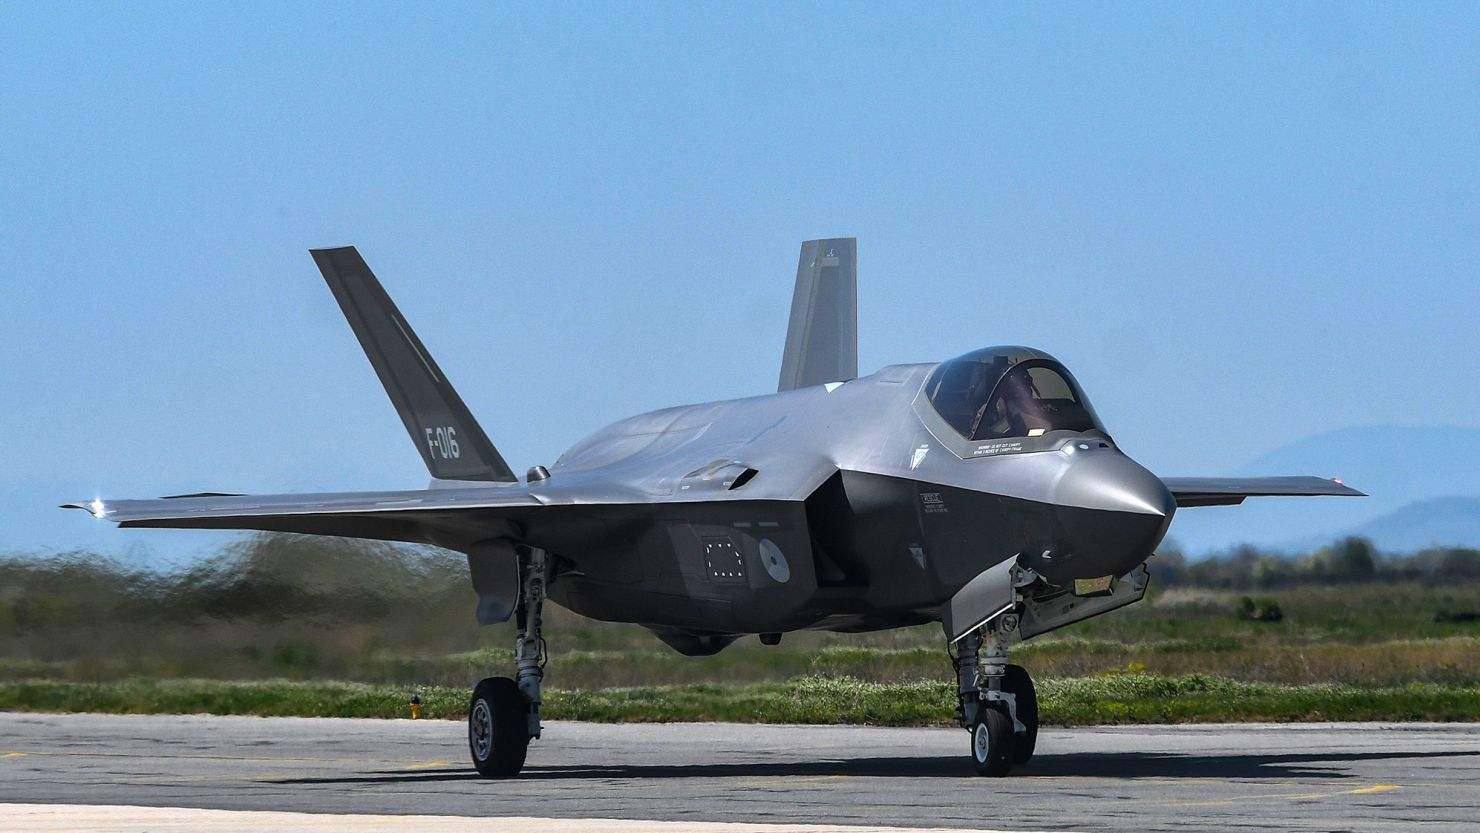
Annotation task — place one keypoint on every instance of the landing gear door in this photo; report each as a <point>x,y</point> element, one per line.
<point>495,570</point>
<point>1043,614</point>
<point>984,597</point>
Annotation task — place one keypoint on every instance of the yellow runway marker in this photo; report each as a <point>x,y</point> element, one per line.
<point>1311,796</point>
<point>12,754</point>
<point>430,765</point>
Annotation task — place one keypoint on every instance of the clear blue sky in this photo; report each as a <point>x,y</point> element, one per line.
<point>1238,225</point>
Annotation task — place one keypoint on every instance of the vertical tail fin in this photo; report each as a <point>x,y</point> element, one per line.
<point>450,441</point>
<point>822,337</point>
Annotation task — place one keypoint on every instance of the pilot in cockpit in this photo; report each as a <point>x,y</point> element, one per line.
<point>997,393</point>
<point>1006,415</point>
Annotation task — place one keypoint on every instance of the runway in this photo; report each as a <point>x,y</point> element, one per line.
<point>1363,777</point>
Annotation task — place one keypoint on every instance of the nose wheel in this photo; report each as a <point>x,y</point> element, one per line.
<point>992,743</point>
<point>999,703</point>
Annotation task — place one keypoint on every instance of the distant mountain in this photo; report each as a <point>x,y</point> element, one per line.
<point>1443,520</point>
<point>1401,467</point>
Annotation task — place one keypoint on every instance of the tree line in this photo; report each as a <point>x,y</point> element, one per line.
<point>1346,561</point>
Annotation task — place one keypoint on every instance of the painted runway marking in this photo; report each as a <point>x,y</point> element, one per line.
<point>789,779</point>
<point>175,756</point>
<point>430,765</point>
<point>103,818</point>
<point>1308,796</point>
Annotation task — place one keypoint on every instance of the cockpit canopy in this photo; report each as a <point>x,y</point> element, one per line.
<point>1006,392</point>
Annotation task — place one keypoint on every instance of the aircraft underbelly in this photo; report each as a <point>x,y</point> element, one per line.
<point>855,556</point>
<point>734,566</point>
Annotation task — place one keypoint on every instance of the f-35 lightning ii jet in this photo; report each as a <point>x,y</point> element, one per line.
<point>982,492</point>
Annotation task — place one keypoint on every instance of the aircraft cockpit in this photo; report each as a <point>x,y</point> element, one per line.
<point>1003,393</point>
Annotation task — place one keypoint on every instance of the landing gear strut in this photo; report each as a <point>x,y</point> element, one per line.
<point>998,703</point>
<point>505,714</point>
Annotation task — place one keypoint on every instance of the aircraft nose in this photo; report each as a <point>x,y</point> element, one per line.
<point>1111,514</point>
<point>1105,479</point>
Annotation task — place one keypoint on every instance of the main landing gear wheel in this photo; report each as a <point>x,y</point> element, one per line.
<point>1017,682</point>
<point>991,743</point>
<point>505,714</point>
<point>498,728</point>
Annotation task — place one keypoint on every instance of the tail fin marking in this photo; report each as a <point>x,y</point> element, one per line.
<point>450,441</point>
<point>822,335</point>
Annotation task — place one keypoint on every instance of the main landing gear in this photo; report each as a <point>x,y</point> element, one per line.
<point>998,703</point>
<point>505,714</point>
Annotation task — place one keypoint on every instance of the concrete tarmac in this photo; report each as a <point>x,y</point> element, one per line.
<point>1353,776</point>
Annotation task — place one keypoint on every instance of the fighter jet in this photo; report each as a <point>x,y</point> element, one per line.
<point>981,492</point>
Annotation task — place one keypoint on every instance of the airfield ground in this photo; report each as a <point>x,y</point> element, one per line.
<point>1105,699</point>
<point>67,772</point>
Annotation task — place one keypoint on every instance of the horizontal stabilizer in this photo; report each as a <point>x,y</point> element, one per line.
<point>822,335</point>
<point>1229,491</point>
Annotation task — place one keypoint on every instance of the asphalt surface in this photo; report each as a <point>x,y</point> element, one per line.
<point>1280,777</point>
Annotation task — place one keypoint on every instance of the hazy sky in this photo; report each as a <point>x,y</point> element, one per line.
<point>1238,226</point>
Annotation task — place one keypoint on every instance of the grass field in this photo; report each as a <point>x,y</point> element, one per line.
<point>265,630</point>
<point>1365,636</point>
<point>1135,697</point>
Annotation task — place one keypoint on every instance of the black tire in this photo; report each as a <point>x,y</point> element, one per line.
<point>498,728</point>
<point>991,743</point>
<point>1018,682</point>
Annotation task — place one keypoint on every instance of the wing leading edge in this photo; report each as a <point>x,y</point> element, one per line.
<point>417,516</point>
<point>1230,491</point>
<point>449,516</point>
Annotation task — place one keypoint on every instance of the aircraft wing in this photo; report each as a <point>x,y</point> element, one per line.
<point>1230,491</point>
<point>447,516</point>
<point>391,516</point>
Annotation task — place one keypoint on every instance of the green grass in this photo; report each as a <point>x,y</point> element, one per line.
<point>298,626</point>
<point>272,698</point>
<point>1106,699</point>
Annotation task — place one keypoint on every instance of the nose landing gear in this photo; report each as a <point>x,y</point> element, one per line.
<point>504,714</point>
<point>992,743</point>
<point>1018,683</point>
<point>998,702</point>
<point>1003,601</point>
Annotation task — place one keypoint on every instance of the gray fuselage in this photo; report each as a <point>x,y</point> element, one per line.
<point>837,507</point>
